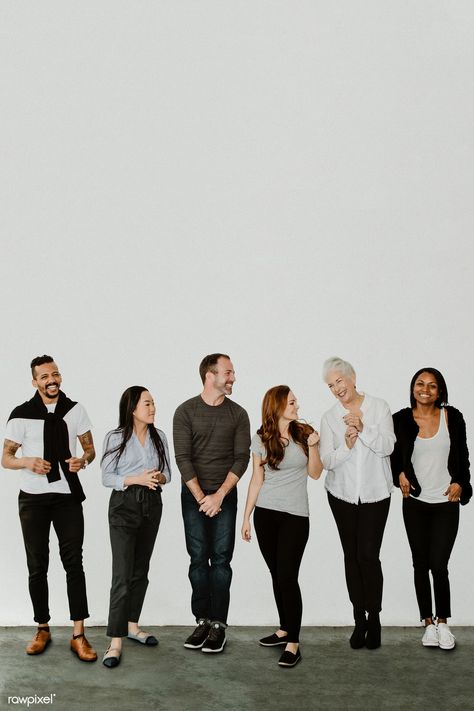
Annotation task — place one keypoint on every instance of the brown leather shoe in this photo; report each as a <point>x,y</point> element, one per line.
<point>83,649</point>
<point>39,642</point>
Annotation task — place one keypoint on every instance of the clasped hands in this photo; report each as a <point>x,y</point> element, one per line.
<point>211,504</point>
<point>354,426</point>
<point>151,478</point>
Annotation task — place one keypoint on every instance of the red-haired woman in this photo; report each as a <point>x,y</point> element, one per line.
<point>285,452</point>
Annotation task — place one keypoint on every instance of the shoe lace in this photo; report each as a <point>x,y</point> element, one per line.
<point>200,626</point>
<point>214,632</point>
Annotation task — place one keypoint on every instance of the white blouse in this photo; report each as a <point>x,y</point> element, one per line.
<point>363,472</point>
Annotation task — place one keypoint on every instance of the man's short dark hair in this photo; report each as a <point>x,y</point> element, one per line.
<point>40,360</point>
<point>209,363</point>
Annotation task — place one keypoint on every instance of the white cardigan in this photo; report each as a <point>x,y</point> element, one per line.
<point>363,472</point>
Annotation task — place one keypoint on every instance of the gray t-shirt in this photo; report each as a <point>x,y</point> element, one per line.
<point>284,489</point>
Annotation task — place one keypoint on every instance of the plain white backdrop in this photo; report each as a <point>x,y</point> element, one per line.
<point>283,181</point>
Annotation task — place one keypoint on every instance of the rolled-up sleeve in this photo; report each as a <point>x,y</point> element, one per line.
<point>380,436</point>
<point>241,445</point>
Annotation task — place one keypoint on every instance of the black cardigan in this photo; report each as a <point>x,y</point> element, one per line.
<point>406,432</point>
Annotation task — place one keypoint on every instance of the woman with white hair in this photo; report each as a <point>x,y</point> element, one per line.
<point>357,439</point>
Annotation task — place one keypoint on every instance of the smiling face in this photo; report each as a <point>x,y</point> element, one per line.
<point>426,389</point>
<point>47,380</point>
<point>222,378</point>
<point>342,386</point>
<point>144,413</point>
<point>290,412</point>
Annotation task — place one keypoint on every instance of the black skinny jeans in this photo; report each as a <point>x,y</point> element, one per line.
<point>37,513</point>
<point>134,519</point>
<point>361,528</point>
<point>282,538</point>
<point>431,531</point>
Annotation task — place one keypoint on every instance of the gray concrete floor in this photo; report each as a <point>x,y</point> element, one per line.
<point>400,675</point>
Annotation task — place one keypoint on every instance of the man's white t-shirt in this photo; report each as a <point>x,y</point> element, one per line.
<point>29,434</point>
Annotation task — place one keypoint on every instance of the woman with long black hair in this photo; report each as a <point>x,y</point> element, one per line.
<point>285,452</point>
<point>430,464</point>
<point>135,464</point>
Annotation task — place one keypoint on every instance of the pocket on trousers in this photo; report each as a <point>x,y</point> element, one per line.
<point>124,509</point>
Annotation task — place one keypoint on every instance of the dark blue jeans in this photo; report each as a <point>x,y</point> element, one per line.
<point>210,544</point>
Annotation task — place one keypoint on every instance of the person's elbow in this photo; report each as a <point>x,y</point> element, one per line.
<point>107,480</point>
<point>315,472</point>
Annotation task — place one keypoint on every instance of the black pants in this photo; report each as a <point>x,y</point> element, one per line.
<point>134,519</point>
<point>431,531</point>
<point>282,538</point>
<point>361,528</point>
<point>37,513</point>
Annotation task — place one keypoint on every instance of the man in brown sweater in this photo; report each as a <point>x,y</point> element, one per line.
<point>211,441</point>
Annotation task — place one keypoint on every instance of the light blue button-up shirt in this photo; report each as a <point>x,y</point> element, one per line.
<point>135,459</point>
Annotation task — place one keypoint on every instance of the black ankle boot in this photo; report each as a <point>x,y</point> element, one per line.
<point>374,631</point>
<point>357,639</point>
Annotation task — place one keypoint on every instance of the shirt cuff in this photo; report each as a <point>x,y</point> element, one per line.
<point>120,484</point>
<point>367,434</point>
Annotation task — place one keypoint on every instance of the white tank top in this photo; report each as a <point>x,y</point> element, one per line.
<point>430,462</point>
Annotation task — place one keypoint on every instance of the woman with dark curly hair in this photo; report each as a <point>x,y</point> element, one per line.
<point>135,464</point>
<point>430,464</point>
<point>285,452</point>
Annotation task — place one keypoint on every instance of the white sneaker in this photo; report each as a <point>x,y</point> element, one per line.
<point>430,638</point>
<point>446,638</point>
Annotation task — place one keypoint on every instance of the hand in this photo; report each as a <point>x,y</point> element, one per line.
<point>76,463</point>
<point>37,465</point>
<point>313,439</point>
<point>160,477</point>
<point>246,531</point>
<point>351,436</point>
<point>405,485</point>
<point>211,504</point>
<point>148,478</point>
<point>353,420</point>
<point>453,492</point>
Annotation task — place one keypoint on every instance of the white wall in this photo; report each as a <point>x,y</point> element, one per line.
<point>283,181</point>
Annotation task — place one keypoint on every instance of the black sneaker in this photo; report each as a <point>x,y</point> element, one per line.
<point>216,640</point>
<point>199,636</point>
